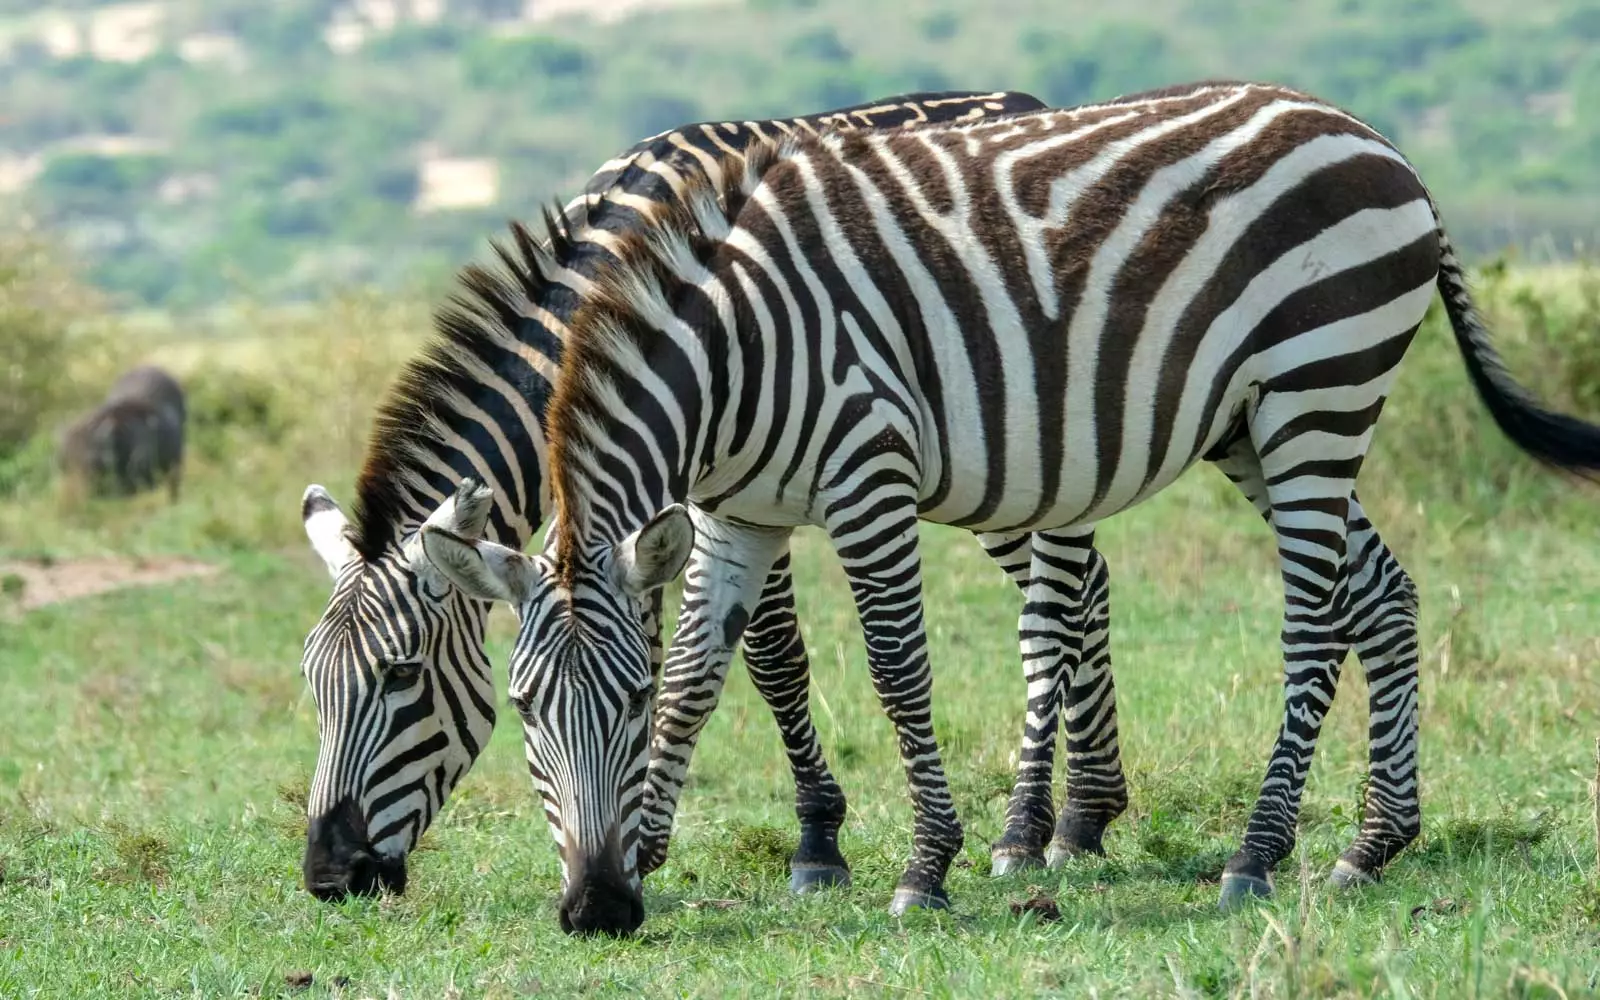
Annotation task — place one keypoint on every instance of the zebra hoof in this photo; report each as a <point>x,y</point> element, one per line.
<point>1062,851</point>
<point>1239,888</point>
<point>1009,861</point>
<point>915,899</point>
<point>1347,876</point>
<point>815,878</point>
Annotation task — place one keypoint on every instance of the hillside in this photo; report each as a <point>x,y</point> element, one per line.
<point>195,150</point>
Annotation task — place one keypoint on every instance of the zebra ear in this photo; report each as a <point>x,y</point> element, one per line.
<point>480,569</point>
<point>325,526</point>
<point>653,556</point>
<point>465,513</point>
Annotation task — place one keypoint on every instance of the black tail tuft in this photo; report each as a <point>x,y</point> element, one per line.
<point>1553,438</point>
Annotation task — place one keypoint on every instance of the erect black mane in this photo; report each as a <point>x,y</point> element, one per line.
<point>490,307</point>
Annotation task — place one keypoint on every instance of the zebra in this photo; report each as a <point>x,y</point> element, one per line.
<point>403,689</point>
<point>1017,325</point>
<point>133,440</point>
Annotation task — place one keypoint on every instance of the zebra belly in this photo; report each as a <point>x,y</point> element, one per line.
<point>1085,490</point>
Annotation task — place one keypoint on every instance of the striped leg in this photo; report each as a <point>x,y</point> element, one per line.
<point>1051,634</point>
<point>1097,791</point>
<point>876,538</point>
<point>1383,627</point>
<point>1308,489</point>
<point>722,582</point>
<point>776,655</point>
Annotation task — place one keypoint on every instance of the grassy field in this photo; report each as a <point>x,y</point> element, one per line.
<point>155,743</point>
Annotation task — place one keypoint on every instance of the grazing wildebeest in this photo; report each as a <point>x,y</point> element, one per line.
<point>133,439</point>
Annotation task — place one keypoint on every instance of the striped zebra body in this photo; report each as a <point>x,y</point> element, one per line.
<point>403,687</point>
<point>1021,325</point>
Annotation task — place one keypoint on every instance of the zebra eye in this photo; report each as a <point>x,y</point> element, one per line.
<point>638,702</point>
<point>402,673</point>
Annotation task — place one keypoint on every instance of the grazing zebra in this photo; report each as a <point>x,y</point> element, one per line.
<point>133,440</point>
<point>403,689</point>
<point>1024,324</point>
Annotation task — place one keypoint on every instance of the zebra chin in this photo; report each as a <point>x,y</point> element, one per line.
<point>340,860</point>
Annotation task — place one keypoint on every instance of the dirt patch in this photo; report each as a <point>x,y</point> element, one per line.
<point>34,584</point>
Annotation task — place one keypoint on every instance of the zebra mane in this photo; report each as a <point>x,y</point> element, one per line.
<point>627,306</point>
<point>397,487</point>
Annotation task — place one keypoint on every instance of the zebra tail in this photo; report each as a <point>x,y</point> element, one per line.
<point>1556,439</point>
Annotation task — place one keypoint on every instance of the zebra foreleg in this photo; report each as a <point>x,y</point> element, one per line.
<point>876,539</point>
<point>775,653</point>
<point>1383,628</point>
<point>722,582</point>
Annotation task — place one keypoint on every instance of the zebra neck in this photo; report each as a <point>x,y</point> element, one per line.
<point>619,465</point>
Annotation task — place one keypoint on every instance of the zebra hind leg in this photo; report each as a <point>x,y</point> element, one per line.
<point>1097,790</point>
<point>775,652</point>
<point>1029,812</point>
<point>1383,628</point>
<point>1308,492</point>
<point>1067,587</point>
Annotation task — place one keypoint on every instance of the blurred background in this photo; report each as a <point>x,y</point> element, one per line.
<point>192,151</point>
<point>268,199</point>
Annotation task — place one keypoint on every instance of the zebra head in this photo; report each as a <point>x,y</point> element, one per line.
<point>582,679</point>
<point>404,697</point>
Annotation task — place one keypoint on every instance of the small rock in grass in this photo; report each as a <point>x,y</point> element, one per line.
<point>298,980</point>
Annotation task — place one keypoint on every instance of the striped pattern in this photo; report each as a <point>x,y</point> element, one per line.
<point>403,688</point>
<point>1025,324</point>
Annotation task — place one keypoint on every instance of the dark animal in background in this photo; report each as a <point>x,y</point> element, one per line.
<point>133,440</point>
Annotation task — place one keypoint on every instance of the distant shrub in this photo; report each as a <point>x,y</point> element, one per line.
<point>231,408</point>
<point>514,62</point>
<point>77,182</point>
<point>410,41</point>
<point>654,113</point>
<point>267,116</point>
<point>940,27</point>
<point>818,45</point>
<point>39,303</point>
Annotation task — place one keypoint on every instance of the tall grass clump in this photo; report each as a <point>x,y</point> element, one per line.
<point>50,332</point>
<point>1436,447</point>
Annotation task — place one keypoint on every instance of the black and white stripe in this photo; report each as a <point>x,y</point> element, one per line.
<point>1020,325</point>
<point>402,685</point>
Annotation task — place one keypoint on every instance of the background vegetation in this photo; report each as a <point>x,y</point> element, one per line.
<point>240,154</point>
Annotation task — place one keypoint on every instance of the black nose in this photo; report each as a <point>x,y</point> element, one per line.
<point>612,910</point>
<point>340,860</point>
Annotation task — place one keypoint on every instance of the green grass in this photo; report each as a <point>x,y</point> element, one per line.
<point>155,745</point>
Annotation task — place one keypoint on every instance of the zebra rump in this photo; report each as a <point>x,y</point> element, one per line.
<point>131,441</point>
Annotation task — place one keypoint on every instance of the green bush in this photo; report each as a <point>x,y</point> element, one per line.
<point>515,62</point>
<point>229,409</point>
<point>39,304</point>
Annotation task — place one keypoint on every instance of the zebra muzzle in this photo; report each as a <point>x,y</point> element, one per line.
<point>340,860</point>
